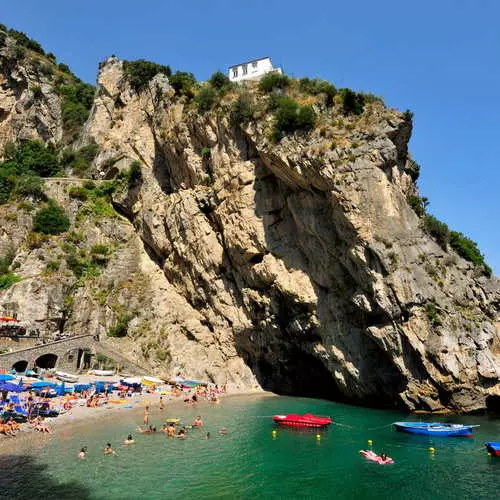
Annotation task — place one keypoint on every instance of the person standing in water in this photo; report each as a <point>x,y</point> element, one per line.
<point>198,422</point>
<point>161,403</point>
<point>171,430</point>
<point>146,415</point>
<point>83,453</point>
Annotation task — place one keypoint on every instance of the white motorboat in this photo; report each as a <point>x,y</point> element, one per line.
<point>66,377</point>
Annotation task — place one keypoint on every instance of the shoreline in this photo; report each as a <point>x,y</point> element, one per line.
<point>81,416</point>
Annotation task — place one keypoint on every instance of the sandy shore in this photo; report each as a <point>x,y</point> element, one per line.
<point>79,417</point>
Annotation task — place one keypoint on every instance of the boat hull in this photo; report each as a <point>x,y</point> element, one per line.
<point>66,377</point>
<point>493,448</point>
<point>303,421</point>
<point>434,429</point>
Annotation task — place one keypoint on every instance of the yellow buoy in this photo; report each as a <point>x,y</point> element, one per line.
<point>432,450</point>
<point>318,436</point>
<point>489,454</point>
<point>274,433</point>
<point>370,442</point>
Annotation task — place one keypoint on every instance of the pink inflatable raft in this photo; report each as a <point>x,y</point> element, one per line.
<point>373,457</point>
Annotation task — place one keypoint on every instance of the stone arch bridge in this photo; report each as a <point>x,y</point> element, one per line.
<point>70,354</point>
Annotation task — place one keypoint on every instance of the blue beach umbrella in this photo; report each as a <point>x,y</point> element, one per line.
<point>61,390</point>
<point>43,383</point>
<point>7,386</point>
<point>4,377</point>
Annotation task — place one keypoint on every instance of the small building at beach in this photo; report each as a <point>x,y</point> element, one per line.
<point>252,70</point>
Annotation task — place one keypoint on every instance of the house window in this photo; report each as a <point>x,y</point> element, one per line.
<point>245,71</point>
<point>235,72</point>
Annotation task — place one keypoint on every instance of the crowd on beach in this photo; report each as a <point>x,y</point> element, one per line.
<point>19,413</point>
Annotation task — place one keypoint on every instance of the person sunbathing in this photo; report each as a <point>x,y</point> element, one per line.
<point>13,424</point>
<point>6,430</point>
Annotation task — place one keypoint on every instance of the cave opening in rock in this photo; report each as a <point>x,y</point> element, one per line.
<point>46,361</point>
<point>301,375</point>
<point>493,404</point>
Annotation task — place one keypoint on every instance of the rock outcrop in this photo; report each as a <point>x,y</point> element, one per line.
<point>298,265</point>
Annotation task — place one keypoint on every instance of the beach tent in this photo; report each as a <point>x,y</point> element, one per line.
<point>8,386</point>
<point>5,377</point>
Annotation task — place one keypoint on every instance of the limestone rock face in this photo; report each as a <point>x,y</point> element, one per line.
<point>298,266</point>
<point>30,108</point>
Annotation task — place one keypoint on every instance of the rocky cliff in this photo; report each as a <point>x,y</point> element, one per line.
<point>294,263</point>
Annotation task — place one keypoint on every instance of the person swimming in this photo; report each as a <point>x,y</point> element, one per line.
<point>83,453</point>
<point>207,436</point>
<point>108,450</point>
<point>171,430</point>
<point>129,440</point>
<point>181,434</point>
<point>223,431</point>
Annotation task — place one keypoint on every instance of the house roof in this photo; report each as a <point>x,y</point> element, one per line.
<point>248,62</point>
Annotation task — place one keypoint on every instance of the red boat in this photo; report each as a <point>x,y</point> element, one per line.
<point>307,420</point>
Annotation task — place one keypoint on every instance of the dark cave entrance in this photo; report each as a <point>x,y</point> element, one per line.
<point>493,404</point>
<point>302,374</point>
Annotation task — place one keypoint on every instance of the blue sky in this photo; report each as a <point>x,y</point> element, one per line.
<point>438,58</point>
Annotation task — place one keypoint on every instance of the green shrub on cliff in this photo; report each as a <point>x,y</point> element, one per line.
<point>220,82</point>
<point>183,83</point>
<point>243,109</point>
<point>140,72</point>
<point>468,249</point>
<point>352,102</point>
<point>76,103</point>
<point>273,81</point>
<point>205,99</point>
<point>464,246</point>
<point>437,229</point>
<point>8,279</point>
<point>51,219</point>
<point>290,116</point>
<point>317,86</point>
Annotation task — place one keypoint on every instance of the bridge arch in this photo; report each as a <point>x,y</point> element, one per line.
<point>20,366</point>
<point>46,361</point>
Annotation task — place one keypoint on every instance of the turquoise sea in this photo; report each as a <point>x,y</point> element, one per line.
<point>250,463</point>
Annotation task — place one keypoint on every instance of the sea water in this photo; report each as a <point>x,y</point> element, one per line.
<point>252,461</point>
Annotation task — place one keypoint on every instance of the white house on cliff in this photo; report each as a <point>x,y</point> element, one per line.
<point>252,69</point>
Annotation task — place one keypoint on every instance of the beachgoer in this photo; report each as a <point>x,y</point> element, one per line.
<point>198,422</point>
<point>207,436</point>
<point>171,430</point>
<point>223,431</point>
<point>146,415</point>
<point>83,453</point>
<point>108,450</point>
<point>181,434</point>
<point>129,440</point>
<point>161,403</point>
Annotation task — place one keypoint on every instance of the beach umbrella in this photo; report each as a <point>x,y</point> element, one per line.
<point>177,379</point>
<point>5,377</point>
<point>42,383</point>
<point>8,386</point>
<point>61,390</point>
<point>152,381</point>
